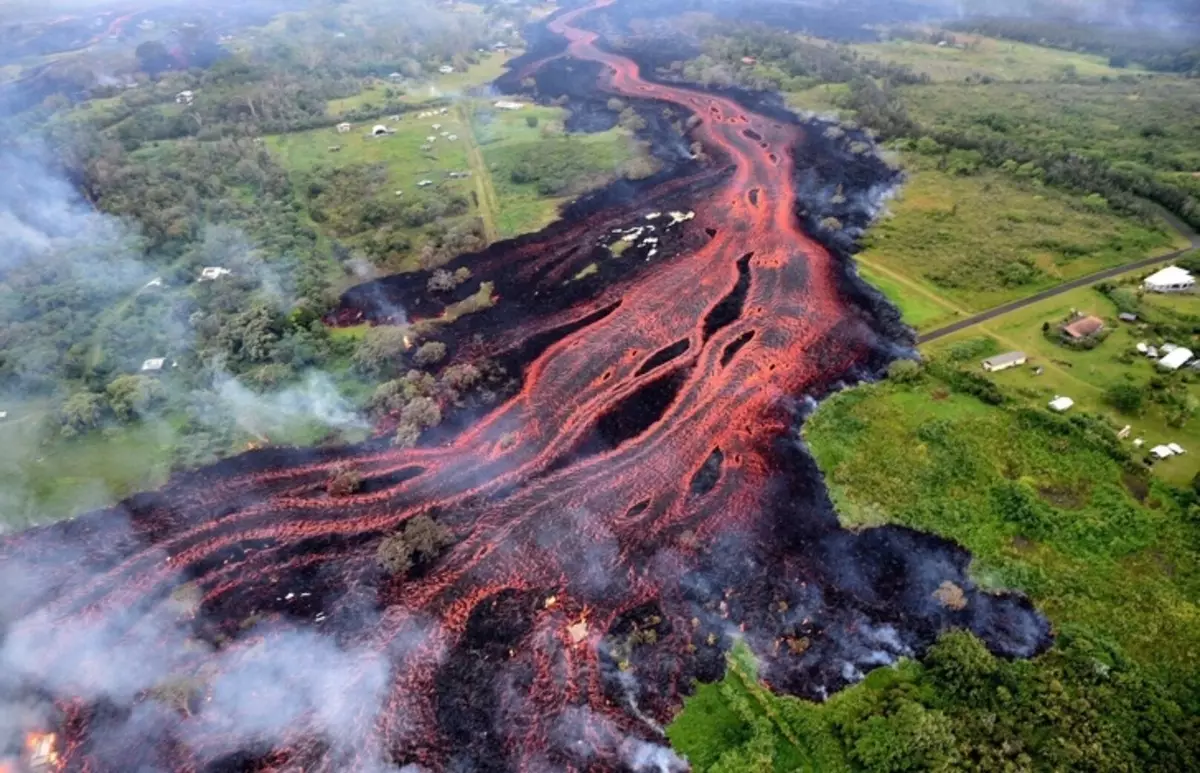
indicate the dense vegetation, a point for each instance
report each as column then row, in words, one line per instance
column 1123, row 45
column 1049, row 505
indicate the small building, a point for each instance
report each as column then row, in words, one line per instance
column 1124, row 433
column 431, row 138
column 153, row 365
column 185, row 97
column 396, row 76
column 445, row 69
column 1176, row 359
column 749, row 60
column 1162, row 452
column 3, row 415
column 343, row 128
column 453, row 137
column 1004, row 361
column 394, row 118
column 210, row 273
column 334, row 148
column 1061, row 404
column 506, row 104
column 425, row 183
column 1084, row 327
column 437, row 127
column 500, row 46
column 1152, row 352
column 1171, row 279
column 1176, row 448
column 1142, row 348
column 379, row 130
column 1167, row 348
column 1125, row 316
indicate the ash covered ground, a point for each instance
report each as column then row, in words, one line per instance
column 639, row 504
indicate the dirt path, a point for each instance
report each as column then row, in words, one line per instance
column 489, row 205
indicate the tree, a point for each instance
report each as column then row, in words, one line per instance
column 430, row 353
column 1126, row 398
column 406, row 435
column 422, row 413
column 381, row 350
column 426, row 537
column 531, row 121
column 394, row 554
column 81, row 412
column 345, row 481
column 904, row 372
column 133, row 396
column 616, row 104
column 441, row 281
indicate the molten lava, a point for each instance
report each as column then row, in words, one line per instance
column 638, row 504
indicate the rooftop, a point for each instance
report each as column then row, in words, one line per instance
column 1171, row 275
column 1084, row 327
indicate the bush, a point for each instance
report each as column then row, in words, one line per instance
column 345, row 481
column 394, row 554
column 904, row 372
column 430, row 353
column 1126, row 398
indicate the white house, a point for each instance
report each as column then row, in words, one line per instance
column 210, row 273
column 343, row 128
column 1171, row 279
column 445, row 69
column 3, row 415
column 1061, row 404
column 153, row 365
column 1175, row 359
column 506, row 104
column 380, row 130
column 1004, row 361
column 185, row 98
column 1162, row 452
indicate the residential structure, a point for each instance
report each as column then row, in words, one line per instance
column 1084, row 327
column 343, row 128
column 210, row 273
column 1004, row 361
column 153, row 365
column 1171, row 279
column 1176, row 358
column 1061, row 404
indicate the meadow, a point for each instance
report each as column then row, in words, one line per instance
column 954, row 243
column 976, row 57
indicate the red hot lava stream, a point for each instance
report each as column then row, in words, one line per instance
column 237, row 620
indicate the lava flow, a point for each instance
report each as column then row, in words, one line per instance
column 641, row 503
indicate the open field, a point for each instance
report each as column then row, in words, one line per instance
column 1148, row 124
column 975, row 242
column 979, row 56
column 1086, row 376
column 1040, row 506
column 506, row 139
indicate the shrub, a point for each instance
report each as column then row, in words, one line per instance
column 430, row 353
column 1126, row 398
column 904, row 372
column 345, row 481
column 394, row 554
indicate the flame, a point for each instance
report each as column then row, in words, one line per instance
column 407, row 343
column 42, row 751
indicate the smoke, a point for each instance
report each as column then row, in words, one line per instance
column 316, row 398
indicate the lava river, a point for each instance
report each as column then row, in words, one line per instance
column 640, row 503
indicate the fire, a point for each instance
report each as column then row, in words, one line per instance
column 42, row 751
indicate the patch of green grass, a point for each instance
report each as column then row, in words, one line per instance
column 920, row 310
column 825, row 98
column 1041, row 506
column 438, row 86
column 976, row 56
column 979, row 241
column 50, row 479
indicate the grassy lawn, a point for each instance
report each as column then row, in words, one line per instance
column 49, row 480
column 1151, row 123
column 975, row 242
column 1041, row 507
column 1085, row 376
column 997, row 59
column 824, row 99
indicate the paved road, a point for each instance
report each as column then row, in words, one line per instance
column 1083, row 281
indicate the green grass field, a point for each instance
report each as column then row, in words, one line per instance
column 1002, row 60
column 1040, row 507
column 976, row 242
